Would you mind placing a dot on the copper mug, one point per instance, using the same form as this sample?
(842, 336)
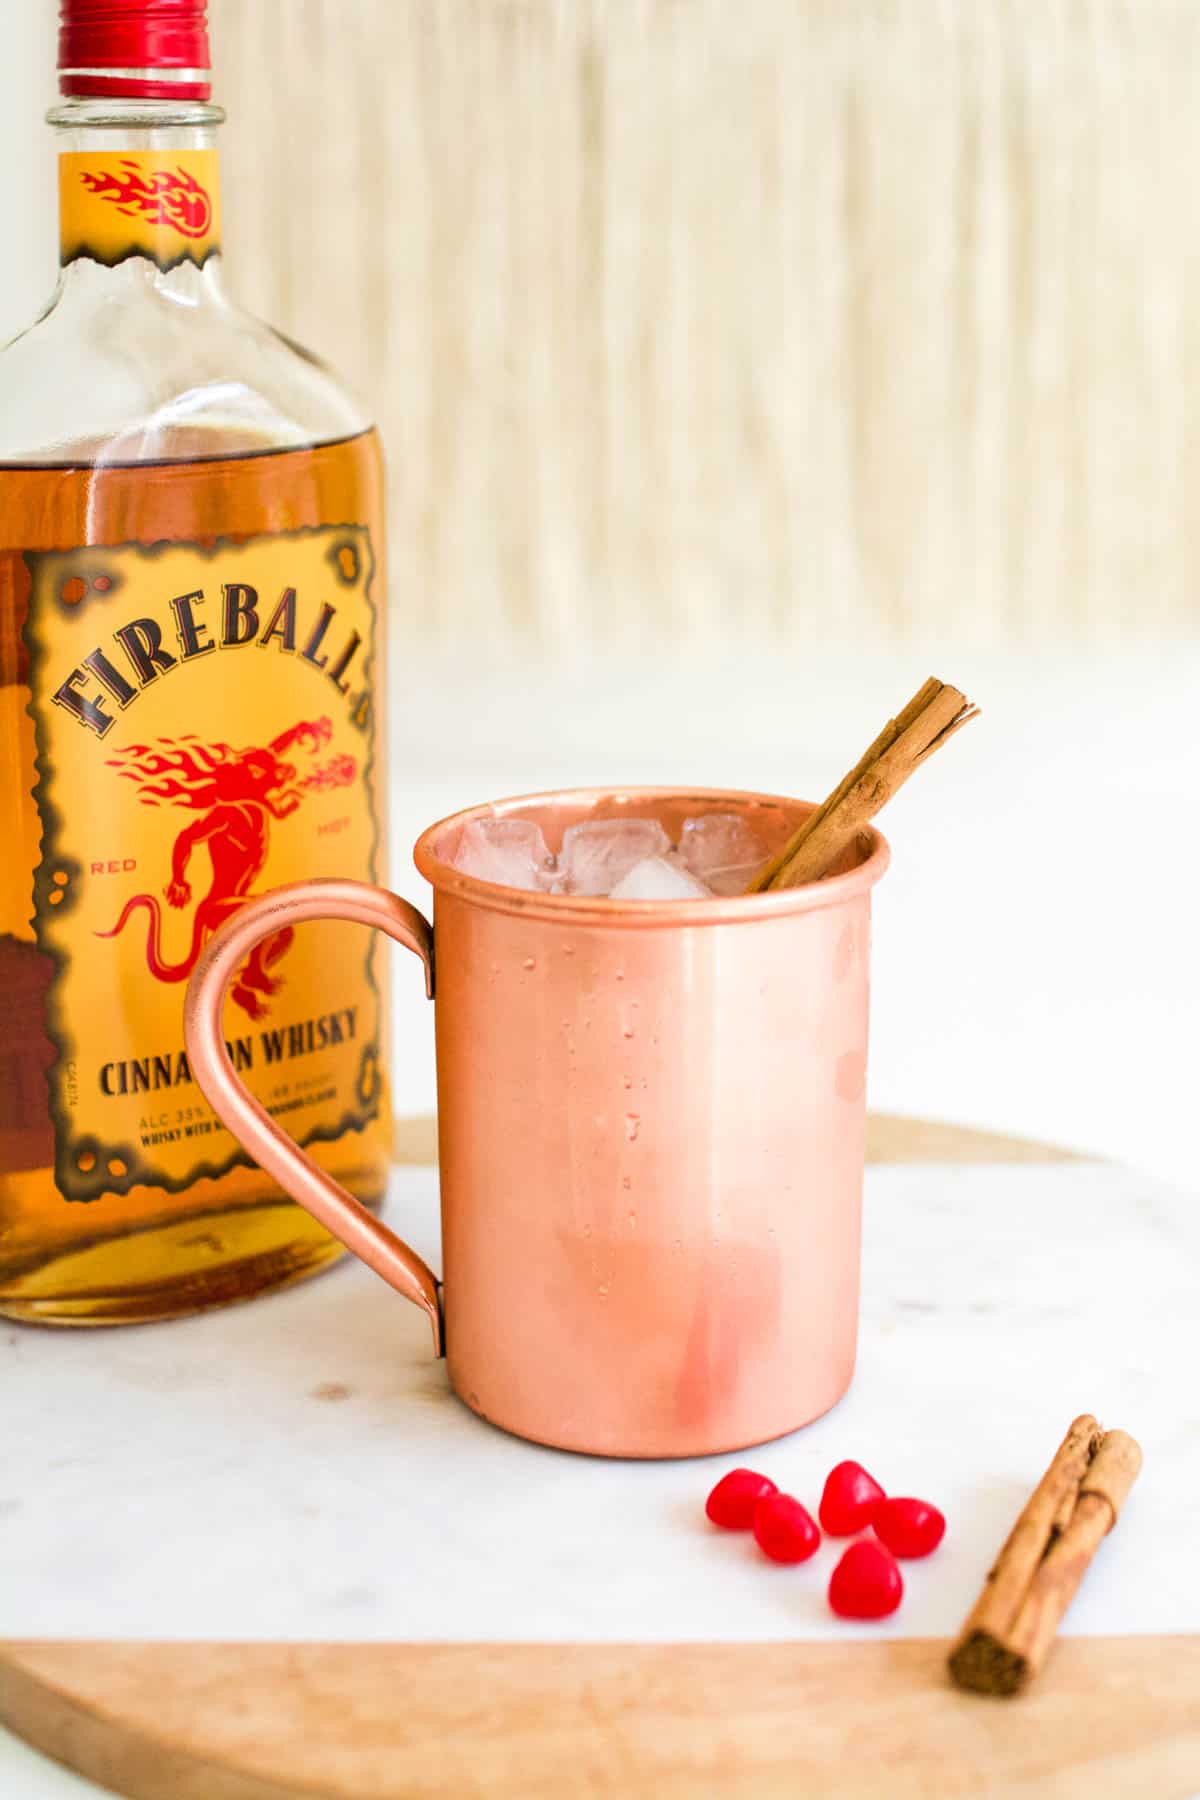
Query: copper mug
(651, 1126)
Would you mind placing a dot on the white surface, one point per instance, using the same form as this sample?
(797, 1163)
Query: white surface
(198, 1481)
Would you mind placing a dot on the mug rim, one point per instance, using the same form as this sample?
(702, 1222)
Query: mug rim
(813, 896)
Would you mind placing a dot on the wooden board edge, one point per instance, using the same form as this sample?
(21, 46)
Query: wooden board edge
(1109, 1716)
(43, 1708)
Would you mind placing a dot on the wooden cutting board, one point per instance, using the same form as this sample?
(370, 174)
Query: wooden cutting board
(180, 1721)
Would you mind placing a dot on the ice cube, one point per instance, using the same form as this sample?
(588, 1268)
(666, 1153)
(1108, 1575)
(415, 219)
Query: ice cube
(659, 878)
(511, 852)
(599, 853)
(719, 847)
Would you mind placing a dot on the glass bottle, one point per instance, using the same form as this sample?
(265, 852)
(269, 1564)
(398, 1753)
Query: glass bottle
(192, 605)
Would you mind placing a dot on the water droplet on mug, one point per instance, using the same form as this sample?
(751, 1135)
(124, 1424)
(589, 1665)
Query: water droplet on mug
(633, 1124)
(626, 1182)
(529, 963)
(587, 1231)
(620, 974)
(602, 1291)
(627, 1034)
(633, 1221)
(627, 1082)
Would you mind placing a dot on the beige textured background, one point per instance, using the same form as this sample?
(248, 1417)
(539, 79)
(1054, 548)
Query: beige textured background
(745, 323)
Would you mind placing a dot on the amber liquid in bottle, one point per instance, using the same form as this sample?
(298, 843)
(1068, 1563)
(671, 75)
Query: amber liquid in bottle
(150, 1253)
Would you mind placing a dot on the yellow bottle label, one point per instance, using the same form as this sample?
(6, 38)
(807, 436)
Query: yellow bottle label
(204, 730)
(162, 204)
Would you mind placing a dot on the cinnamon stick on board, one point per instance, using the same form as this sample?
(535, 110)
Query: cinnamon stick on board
(1008, 1635)
(935, 712)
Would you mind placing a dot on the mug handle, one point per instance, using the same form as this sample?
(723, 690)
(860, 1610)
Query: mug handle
(270, 1146)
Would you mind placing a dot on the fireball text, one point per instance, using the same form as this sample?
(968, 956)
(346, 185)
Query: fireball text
(138, 647)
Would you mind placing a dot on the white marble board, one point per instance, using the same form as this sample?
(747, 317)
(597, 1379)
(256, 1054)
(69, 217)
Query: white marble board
(298, 1469)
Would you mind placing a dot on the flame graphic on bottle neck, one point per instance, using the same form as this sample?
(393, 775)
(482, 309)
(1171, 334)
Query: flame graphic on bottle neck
(164, 197)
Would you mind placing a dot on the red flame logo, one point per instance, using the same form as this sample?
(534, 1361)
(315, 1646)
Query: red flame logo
(165, 197)
(235, 794)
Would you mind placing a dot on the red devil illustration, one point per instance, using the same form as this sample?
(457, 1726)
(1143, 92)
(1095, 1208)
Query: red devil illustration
(237, 793)
(165, 197)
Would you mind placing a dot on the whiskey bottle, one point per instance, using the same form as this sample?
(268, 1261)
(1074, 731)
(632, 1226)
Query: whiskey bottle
(192, 601)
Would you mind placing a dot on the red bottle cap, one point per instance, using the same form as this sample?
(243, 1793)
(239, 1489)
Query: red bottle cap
(134, 49)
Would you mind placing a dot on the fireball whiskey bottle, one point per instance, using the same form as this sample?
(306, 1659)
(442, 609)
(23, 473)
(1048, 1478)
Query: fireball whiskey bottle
(191, 618)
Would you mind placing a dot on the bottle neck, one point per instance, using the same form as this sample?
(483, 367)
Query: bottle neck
(139, 179)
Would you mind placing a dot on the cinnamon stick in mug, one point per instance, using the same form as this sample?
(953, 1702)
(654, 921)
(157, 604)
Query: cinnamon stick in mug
(935, 712)
(1008, 1634)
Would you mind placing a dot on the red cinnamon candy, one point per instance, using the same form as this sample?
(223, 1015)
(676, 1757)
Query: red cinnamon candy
(866, 1583)
(134, 49)
(784, 1530)
(909, 1527)
(849, 1500)
(732, 1502)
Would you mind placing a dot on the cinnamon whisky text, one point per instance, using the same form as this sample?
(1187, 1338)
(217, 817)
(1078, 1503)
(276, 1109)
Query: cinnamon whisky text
(148, 1074)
